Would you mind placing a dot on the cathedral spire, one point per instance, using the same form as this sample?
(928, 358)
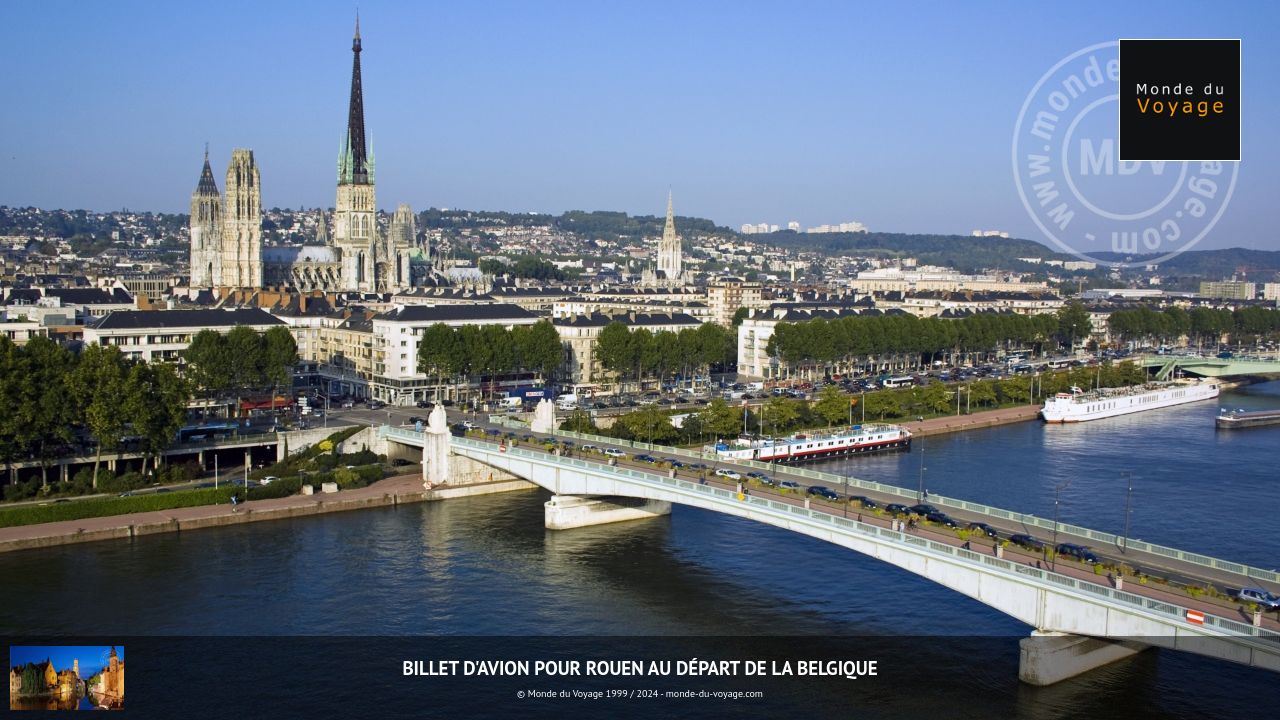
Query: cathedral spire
(669, 230)
(358, 158)
(207, 185)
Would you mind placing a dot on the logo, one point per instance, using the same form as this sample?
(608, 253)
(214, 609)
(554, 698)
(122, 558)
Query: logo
(1087, 201)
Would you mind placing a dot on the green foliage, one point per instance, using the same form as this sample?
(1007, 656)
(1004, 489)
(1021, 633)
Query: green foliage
(101, 507)
(580, 421)
(491, 349)
(832, 405)
(640, 353)
(648, 424)
(527, 267)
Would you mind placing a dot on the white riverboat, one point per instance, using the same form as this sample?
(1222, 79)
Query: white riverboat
(854, 440)
(1080, 406)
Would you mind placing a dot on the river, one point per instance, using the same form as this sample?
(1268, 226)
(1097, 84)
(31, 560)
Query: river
(486, 566)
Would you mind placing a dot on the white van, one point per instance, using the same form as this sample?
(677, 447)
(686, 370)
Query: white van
(568, 401)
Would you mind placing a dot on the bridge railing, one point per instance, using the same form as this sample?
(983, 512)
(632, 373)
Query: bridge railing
(828, 520)
(1025, 519)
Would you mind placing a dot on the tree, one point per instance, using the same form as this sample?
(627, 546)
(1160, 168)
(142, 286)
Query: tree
(1073, 323)
(982, 393)
(209, 363)
(648, 424)
(155, 403)
(832, 405)
(721, 420)
(99, 384)
(47, 410)
(780, 414)
(438, 353)
(543, 352)
(14, 370)
(580, 422)
(883, 404)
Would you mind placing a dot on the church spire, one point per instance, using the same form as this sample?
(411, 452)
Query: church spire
(207, 185)
(357, 160)
(669, 230)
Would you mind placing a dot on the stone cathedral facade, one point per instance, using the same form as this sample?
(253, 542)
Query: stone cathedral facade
(226, 230)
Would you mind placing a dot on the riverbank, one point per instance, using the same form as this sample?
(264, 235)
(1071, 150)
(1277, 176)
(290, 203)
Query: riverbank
(984, 419)
(393, 491)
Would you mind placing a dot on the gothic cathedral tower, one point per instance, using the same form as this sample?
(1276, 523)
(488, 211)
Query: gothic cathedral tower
(206, 232)
(670, 256)
(355, 216)
(242, 224)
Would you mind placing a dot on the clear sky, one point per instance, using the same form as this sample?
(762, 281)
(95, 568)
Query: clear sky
(898, 115)
(92, 657)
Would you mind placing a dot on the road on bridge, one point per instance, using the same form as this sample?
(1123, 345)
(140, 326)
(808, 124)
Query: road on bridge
(1155, 566)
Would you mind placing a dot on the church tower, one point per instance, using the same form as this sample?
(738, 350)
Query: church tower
(242, 224)
(205, 224)
(400, 246)
(355, 216)
(669, 251)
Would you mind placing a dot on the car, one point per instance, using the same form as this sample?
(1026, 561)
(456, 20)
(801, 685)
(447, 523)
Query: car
(984, 528)
(673, 462)
(415, 420)
(697, 466)
(1027, 541)
(159, 490)
(701, 401)
(824, 492)
(1079, 552)
(376, 404)
(897, 509)
(766, 480)
(1266, 600)
(864, 501)
(590, 448)
(788, 485)
(614, 453)
(727, 473)
(942, 519)
(126, 493)
(269, 479)
(645, 458)
(468, 425)
(423, 403)
(347, 404)
(924, 509)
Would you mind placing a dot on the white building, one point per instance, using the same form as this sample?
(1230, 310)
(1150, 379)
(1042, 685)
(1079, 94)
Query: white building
(164, 334)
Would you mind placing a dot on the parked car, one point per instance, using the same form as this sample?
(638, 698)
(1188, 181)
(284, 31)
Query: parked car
(727, 473)
(269, 479)
(824, 492)
(897, 509)
(1268, 601)
(924, 509)
(1027, 541)
(614, 453)
(590, 448)
(984, 528)
(866, 502)
(646, 458)
(424, 403)
(673, 462)
(1078, 552)
(468, 425)
(788, 485)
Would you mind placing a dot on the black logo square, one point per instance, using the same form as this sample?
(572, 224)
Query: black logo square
(1179, 100)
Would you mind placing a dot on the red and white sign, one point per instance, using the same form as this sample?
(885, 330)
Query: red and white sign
(1195, 616)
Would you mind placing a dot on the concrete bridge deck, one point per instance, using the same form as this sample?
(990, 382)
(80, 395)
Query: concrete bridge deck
(1068, 601)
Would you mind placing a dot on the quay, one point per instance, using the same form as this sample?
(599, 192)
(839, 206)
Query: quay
(1238, 420)
(393, 491)
(974, 421)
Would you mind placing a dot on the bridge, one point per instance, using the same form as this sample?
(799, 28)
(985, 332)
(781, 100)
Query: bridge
(1080, 623)
(1212, 366)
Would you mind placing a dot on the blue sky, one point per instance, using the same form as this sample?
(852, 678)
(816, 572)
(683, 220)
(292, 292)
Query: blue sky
(898, 115)
(92, 657)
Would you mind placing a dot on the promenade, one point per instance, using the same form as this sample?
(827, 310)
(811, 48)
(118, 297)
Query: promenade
(973, 421)
(387, 492)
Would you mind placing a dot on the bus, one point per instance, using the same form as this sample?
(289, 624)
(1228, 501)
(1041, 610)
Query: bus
(207, 431)
(899, 381)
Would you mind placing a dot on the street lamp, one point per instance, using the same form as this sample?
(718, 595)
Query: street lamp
(1053, 563)
(1128, 497)
(920, 487)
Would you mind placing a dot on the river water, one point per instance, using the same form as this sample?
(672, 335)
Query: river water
(486, 566)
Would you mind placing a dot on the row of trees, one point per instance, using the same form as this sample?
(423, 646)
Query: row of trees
(832, 406)
(240, 360)
(641, 353)
(527, 267)
(907, 340)
(46, 392)
(473, 350)
(1201, 323)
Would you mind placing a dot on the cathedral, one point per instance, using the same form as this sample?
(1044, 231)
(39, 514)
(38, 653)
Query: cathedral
(670, 270)
(226, 229)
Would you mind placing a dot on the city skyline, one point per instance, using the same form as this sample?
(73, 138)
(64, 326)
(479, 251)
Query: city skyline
(548, 110)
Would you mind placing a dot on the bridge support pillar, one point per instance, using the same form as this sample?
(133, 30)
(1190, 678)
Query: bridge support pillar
(563, 512)
(1049, 657)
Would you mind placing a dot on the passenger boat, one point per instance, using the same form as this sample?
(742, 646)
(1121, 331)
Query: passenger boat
(855, 440)
(1080, 406)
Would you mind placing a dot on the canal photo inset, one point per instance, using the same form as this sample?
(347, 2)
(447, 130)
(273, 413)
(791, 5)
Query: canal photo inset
(66, 677)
